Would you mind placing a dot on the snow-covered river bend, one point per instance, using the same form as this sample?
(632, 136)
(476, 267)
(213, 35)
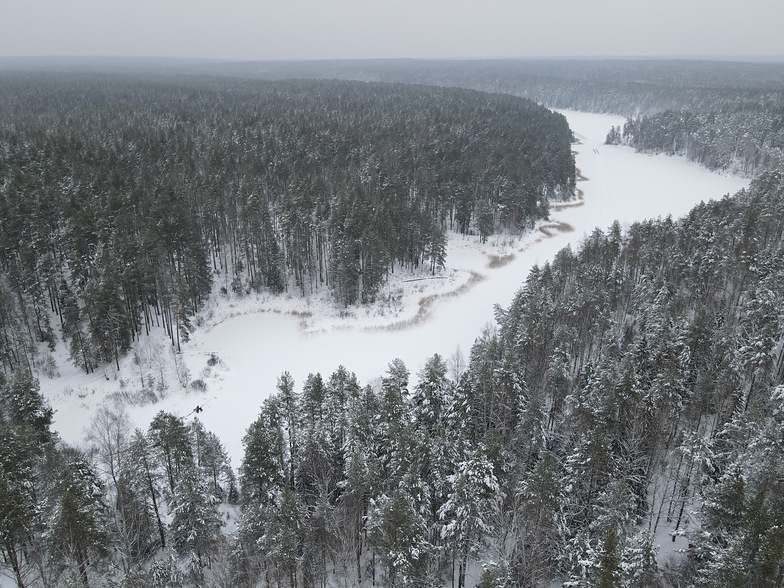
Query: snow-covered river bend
(256, 348)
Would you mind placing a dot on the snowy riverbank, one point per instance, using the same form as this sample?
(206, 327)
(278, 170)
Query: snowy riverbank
(257, 338)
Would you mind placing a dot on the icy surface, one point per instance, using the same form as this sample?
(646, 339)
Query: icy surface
(256, 338)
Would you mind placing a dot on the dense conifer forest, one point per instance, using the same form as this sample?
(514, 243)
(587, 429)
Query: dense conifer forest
(125, 200)
(633, 390)
(724, 115)
(631, 395)
(726, 136)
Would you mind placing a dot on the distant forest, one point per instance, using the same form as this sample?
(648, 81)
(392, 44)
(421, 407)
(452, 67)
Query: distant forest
(125, 199)
(724, 115)
(633, 391)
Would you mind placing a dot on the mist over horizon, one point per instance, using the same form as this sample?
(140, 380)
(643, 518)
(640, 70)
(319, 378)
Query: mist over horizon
(436, 29)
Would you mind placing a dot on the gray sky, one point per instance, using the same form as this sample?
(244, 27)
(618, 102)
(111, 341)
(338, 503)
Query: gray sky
(316, 29)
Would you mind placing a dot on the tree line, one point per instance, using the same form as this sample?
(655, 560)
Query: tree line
(626, 87)
(723, 115)
(630, 396)
(124, 200)
(735, 137)
(116, 515)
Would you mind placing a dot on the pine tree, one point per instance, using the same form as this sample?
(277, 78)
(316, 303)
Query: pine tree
(168, 436)
(166, 572)
(22, 406)
(18, 501)
(431, 394)
(485, 222)
(398, 535)
(614, 135)
(79, 343)
(289, 402)
(639, 565)
(607, 574)
(435, 252)
(78, 523)
(263, 470)
(538, 523)
(211, 460)
(195, 526)
(145, 478)
(466, 513)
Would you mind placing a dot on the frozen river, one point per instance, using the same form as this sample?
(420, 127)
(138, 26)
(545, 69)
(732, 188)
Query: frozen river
(256, 348)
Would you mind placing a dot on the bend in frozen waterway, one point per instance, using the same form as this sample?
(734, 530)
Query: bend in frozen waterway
(256, 348)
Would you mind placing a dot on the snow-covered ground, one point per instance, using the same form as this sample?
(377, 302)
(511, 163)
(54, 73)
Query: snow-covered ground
(256, 338)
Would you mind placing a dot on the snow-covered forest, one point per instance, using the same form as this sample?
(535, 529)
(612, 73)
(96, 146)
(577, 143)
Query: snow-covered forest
(126, 200)
(724, 115)
(617, 424)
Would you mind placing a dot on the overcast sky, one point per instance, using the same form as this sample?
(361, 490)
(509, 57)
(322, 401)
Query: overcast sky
(322, 29)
